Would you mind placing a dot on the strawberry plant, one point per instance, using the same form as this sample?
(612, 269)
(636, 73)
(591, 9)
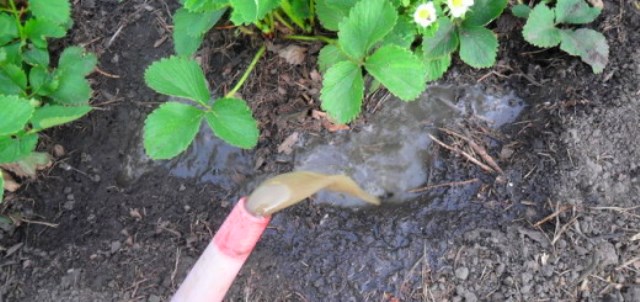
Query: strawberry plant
(549, 27)
(197, 17)
(378, 36)
(33, 95)
(171, 128)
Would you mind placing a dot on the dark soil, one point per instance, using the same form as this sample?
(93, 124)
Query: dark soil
(573, 154)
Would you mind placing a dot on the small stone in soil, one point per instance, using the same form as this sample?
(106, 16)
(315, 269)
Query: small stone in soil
(182, 188)
(607, 254)
(115, 246)
(58, 151)
(68, 205)
(462, 273)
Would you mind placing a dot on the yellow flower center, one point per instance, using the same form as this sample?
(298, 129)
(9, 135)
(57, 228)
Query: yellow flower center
(457, 3)
(424, 14)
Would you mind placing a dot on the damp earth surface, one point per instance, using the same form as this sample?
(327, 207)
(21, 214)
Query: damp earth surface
(560, 224)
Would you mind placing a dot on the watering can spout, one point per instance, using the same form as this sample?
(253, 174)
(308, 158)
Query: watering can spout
(217, 267)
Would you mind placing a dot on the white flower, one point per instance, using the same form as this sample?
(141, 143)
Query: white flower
(425, 14)
(459, 7)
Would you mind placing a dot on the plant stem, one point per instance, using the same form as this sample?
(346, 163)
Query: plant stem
(263, 27)
(272, 25)
(245, 76)
(283, 21)
(312, 13)
(311, 38)
(16, 14)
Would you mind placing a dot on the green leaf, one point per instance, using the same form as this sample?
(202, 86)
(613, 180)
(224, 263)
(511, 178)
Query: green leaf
(403, 34)
(13, 54)
(77, 61)
(190, 28)
(297, 10)
(35, 56)
(589, 44)
(38, 76)
(205, 5)
(368, 22)
(56, 11)
(329, 55)
(332, 12)
(443, 42)
(248, 12)
(437, 67)
(15, 148)
(186, 45)
(72, 88)
(38, 31)
(521, 11)
(13, 80)
(398, 69)
(484, 11)
(53, 115)
(231, 120)
(575, 12)
(342, 91)
(170, 129)
(8, 28)
(478, 46)
(15, 112)
(540, 28)
(179, 77)
(196, 24)
(41, 81)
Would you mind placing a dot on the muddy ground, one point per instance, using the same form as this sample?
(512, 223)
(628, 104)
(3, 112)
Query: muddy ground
(561, 224)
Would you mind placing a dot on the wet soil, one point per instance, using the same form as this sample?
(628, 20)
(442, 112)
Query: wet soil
(561, 223)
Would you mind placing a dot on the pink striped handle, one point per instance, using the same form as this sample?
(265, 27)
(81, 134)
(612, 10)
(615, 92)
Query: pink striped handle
(214, 272)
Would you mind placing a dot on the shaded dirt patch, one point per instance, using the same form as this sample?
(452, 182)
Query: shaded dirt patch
(574, 149)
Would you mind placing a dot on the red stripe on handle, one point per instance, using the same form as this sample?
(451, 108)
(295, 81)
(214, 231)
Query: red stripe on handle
(210, 278)
(240, 232)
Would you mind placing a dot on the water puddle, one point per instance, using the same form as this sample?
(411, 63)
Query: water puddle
(388, 157)
(207, 160)
(391, 154)
(210, 160)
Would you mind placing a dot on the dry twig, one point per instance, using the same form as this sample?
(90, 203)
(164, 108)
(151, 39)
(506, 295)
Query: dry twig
(448, 184)
(464, 154)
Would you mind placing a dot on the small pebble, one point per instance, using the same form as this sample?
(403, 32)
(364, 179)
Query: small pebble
(68, 205)
(115, 246)
(58, 151)
(462, 273)
(182, 188)
(508, 281)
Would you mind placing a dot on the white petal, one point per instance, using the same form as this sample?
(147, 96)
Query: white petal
(431, 14)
